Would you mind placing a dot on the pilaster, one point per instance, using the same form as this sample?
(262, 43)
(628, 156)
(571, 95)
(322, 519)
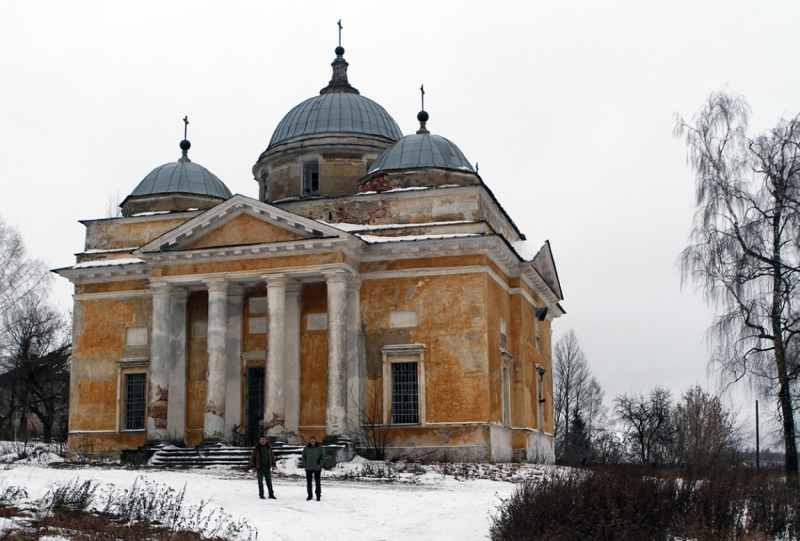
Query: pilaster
(292, 362)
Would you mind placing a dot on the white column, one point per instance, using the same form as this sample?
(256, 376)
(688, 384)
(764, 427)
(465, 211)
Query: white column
(158, 375)
(355, 358)
(176, 413)
(292, 364)
(274, 399)
(233, 366)
(214, 420)
(336, 406)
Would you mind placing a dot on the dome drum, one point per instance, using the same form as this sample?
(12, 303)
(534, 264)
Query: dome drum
(342, 160)
(381, 181)
(162, 202)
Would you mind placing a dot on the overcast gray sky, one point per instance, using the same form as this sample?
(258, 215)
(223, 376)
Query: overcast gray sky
(567, 107)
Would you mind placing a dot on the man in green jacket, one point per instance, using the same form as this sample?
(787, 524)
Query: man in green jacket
(313, 459)
(262, 459)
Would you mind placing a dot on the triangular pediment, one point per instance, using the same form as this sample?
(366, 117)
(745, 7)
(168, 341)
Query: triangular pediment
(240, 221)
(244, 229)
(545, 265)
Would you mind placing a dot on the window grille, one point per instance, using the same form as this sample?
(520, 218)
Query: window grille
(135, 400)
(405, 393)
(310, 179)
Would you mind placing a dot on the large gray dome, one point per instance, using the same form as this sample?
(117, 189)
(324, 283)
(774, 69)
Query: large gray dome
(422, 150)
(182, 177)
(337, 112)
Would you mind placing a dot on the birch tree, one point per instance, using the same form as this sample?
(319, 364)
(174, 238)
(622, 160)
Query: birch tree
(744, 250)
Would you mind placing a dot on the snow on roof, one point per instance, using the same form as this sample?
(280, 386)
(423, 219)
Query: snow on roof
(108, 262)
(372, 239)
(527, 249)
(365, 227)
(409, 189)
(94, 251)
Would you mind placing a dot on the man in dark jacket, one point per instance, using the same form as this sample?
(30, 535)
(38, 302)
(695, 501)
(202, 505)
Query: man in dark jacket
(261, 460)
(313, 459)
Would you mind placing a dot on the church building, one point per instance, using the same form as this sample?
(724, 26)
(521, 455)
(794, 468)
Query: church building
(374, 286)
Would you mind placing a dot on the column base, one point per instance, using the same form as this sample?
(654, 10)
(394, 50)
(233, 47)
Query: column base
(279, 439)
(210, 442)
(338, 448)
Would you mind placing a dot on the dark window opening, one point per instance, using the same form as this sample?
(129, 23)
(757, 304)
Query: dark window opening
(254, 405)
(405, 393)
(135, 401)
(310, 179)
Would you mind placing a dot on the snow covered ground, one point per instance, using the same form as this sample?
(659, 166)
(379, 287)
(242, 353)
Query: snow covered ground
(435, 503)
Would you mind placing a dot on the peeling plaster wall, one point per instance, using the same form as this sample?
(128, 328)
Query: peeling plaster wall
(98, 343)
(313, 361)
(451, 315)
(470, 203)
(129, 232)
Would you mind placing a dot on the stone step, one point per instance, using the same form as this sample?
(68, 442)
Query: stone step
(213, 455)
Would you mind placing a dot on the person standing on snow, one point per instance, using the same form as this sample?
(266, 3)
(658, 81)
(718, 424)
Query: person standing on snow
(262, 459)
(313, 459)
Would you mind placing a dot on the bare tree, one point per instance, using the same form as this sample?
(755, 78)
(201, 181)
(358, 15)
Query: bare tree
(113, 210)
(706, 433)
(34, 367)
(371, 431)
(19, 275)
(577, 396)
(744, 255)
(571, 375)
(647, 420)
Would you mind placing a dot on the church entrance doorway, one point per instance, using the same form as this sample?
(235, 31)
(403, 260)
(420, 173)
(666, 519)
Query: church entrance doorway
(254, 404)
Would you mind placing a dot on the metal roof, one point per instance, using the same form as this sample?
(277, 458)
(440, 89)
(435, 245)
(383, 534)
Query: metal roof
(182, 177)
(337, 112)
(422, 150)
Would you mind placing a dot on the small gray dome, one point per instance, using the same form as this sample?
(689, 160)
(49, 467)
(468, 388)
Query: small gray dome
(337, 112)
(422, 150)
(182, 177)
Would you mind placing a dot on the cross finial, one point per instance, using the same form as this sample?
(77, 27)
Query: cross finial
(185, 125)
(340, 32)
(422, 91)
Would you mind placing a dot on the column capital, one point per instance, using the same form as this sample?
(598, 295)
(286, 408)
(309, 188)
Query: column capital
(179, 293)
(293, 287)
(217, 285)
(161, 288)
(275, 280)
(336, 275)
(235, 289)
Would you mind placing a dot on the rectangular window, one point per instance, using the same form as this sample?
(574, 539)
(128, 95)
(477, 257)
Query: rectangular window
(310, 179)
(405, 393)
(135, 400)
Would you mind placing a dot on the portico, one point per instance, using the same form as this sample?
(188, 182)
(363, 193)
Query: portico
(225, 366)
